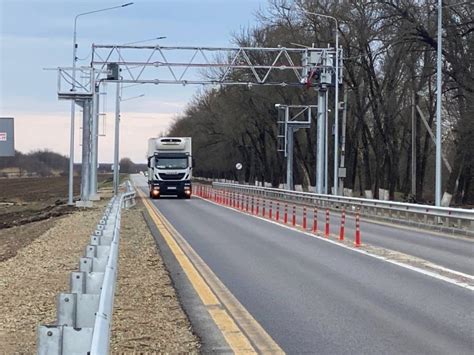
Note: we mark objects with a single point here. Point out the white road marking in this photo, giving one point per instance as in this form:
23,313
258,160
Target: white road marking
382,258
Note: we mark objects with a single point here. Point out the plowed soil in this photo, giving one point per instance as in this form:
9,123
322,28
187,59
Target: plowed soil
28,206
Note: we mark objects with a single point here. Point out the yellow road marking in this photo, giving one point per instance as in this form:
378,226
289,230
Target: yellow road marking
234,336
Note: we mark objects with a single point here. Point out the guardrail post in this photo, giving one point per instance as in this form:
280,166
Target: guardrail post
66,309
78,282
78,330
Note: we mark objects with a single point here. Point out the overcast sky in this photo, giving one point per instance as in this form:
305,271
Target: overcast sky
37,34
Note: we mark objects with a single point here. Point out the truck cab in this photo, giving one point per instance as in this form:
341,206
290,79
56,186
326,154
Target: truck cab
170,166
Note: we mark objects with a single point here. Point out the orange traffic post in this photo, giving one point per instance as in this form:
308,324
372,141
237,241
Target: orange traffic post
270,212
258,207
343,222
357,235
277,217
326,231
304,218
252,206
263,208
293,219
238,201
285,217
315,220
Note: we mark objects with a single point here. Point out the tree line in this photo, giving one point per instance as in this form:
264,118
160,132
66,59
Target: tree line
45,163
389,77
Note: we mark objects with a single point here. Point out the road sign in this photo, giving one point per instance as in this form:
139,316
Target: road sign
7,138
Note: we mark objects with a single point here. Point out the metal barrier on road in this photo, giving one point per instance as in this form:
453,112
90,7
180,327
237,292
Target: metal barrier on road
84,314
451,220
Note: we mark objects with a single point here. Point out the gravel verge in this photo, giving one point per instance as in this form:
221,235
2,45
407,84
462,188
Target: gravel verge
147,314
30,280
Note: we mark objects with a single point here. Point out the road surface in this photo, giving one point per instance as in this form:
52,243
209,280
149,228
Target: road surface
315,297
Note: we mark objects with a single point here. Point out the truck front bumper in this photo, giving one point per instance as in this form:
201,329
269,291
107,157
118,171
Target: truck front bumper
180,188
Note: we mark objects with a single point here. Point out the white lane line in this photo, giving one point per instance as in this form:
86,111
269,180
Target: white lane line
363,252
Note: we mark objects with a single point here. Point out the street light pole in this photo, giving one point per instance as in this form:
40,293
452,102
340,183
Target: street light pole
117,140
73,103
118,99
438,106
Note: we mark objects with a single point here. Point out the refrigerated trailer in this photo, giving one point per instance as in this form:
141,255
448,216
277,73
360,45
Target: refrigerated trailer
170,166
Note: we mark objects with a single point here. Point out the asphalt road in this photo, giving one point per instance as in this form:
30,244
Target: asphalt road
447,251
315,297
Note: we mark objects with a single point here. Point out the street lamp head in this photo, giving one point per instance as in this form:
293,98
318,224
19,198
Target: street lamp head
127,4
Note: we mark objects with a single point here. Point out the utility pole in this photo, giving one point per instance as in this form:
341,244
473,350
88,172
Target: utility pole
94,144
86,133
438,105
117,140
343,144
289,158
73,109
413,145
321,134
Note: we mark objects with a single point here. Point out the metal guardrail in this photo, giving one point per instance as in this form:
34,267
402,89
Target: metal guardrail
452,220
84,314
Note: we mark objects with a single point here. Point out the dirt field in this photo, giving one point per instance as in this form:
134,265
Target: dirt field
37,257
27,200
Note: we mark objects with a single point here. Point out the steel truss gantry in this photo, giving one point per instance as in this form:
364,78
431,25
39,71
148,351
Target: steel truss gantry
291,118
221,66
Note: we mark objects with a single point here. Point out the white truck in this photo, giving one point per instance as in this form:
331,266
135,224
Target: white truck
170,166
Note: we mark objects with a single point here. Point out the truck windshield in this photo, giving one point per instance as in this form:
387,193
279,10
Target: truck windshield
171,163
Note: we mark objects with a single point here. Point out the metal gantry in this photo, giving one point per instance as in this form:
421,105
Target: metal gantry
140,64
291,118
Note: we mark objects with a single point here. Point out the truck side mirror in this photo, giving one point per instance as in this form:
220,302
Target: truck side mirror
149,162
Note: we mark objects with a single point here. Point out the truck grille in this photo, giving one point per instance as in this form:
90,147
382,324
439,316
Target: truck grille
171,176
